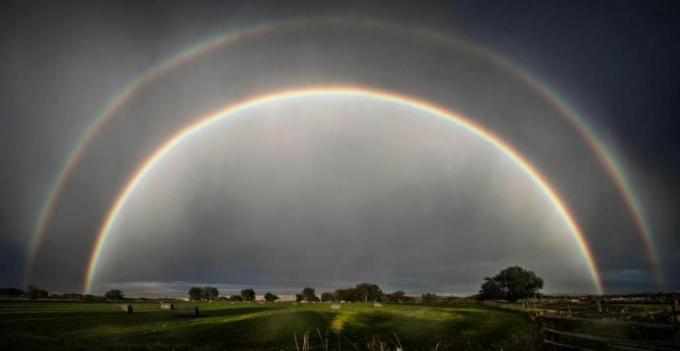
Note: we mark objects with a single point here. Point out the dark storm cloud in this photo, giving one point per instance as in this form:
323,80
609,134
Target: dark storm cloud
619,63
60,64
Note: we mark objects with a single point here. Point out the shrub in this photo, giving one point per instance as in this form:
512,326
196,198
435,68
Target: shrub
114,295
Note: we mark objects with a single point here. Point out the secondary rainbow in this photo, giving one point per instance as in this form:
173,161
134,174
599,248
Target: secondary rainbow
206,121
222,41
111,109
615,170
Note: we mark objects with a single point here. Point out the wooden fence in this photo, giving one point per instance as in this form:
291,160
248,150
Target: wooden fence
556,336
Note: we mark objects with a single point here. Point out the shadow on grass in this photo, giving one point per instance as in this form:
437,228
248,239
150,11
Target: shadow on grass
110,327
462,330
226,312
274,330
266,327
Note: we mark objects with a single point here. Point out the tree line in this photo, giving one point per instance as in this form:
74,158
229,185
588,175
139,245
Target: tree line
31,292
363,292
209,293
511,284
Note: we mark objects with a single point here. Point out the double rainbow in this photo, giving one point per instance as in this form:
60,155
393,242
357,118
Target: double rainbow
117,102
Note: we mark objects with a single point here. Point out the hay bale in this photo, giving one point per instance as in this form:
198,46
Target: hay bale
167,306
127,308
336,306
189,311
377,304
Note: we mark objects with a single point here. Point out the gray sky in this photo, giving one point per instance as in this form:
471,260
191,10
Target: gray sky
315,192
323,191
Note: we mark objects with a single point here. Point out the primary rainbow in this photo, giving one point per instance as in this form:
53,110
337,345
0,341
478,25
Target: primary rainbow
222,41
208,120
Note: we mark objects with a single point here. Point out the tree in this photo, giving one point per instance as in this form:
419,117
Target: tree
345,294
114,294
361,292
248,294
299,297
35,292
309,294
195,293
430,298
368,292
491,290
269,297
235,298
210,293
512,284
327,296
398,296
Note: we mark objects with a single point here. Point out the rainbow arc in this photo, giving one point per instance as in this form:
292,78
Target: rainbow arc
211,119
231,39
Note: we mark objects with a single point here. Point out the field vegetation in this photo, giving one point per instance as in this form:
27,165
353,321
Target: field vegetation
509,313
273,326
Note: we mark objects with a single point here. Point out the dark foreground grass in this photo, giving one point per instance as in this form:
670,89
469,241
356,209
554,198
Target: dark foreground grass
68,325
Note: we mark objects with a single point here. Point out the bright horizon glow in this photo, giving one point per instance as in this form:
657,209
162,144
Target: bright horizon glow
465,123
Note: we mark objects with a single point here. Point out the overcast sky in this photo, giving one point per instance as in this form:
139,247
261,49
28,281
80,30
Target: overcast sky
329,192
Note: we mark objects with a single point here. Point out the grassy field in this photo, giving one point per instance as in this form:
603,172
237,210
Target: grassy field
78,325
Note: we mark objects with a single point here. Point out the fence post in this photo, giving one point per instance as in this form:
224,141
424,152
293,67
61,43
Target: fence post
675,306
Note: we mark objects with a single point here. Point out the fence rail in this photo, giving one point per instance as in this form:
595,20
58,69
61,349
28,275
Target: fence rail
614,322
567,340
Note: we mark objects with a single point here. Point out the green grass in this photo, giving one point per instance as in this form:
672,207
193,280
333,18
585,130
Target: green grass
79,325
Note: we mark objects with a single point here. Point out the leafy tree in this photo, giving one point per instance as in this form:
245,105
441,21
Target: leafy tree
491,290
345,294
327,296
270,297
368,292
114,294
361,292
210,293
196,293
248,294
299,297
430,298
398,296
309,294
235,298
35,292
512,284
